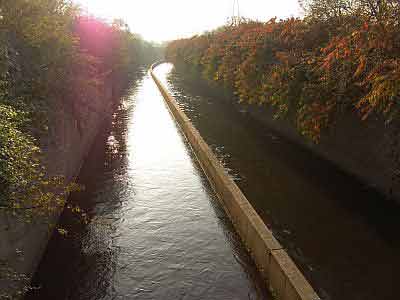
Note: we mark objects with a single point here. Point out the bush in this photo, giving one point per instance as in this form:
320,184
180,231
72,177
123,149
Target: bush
343,56
50,57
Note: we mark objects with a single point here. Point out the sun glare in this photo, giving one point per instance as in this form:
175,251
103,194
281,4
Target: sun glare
166,20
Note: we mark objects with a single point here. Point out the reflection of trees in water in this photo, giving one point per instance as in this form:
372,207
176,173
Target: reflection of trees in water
275,172
88,255
240,253
98,261
191,88
194,95
190,82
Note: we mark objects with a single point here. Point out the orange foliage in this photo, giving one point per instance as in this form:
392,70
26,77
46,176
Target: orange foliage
302,68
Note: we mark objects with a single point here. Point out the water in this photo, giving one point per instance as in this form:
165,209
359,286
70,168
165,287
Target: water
343,235
158,231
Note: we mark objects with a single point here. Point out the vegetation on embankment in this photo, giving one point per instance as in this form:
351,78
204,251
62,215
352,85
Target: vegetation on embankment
342,56
59,72
52,56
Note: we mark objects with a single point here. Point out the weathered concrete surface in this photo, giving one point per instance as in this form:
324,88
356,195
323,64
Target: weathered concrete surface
366,149
65,147
281,274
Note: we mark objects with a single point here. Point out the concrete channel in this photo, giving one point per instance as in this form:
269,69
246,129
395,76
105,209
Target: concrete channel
157,229
281,275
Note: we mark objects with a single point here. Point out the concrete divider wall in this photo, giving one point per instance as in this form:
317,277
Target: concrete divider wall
281,275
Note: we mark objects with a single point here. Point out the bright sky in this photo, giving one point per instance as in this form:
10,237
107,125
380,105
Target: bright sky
161,20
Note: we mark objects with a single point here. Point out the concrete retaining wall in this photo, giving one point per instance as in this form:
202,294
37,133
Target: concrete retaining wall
364,149
282,276
65,148
367,150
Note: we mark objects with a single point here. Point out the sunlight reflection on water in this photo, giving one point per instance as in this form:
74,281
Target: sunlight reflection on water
159,231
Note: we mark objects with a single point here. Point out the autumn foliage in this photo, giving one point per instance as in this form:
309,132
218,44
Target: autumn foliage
55,62
343,56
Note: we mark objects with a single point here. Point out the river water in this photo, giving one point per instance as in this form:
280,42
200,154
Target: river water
343,235
157,230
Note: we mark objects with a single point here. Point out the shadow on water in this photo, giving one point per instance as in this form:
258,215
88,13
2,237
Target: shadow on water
157,229
232,238
60,273
342,234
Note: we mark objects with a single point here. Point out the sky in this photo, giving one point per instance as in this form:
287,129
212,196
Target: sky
163,20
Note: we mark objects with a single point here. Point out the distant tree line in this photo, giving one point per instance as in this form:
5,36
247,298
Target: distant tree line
344,55
51,56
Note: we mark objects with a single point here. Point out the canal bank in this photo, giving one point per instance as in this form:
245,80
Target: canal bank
65,146
340,233
158,230
284,279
